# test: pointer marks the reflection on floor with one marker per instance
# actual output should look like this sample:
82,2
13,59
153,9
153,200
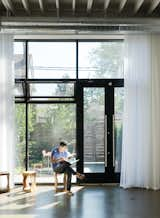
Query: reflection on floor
96,201
43,178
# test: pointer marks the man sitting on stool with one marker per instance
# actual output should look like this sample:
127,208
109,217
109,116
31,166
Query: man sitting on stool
59,157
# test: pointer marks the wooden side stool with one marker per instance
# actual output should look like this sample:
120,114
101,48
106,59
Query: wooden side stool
57,183
7,187
26,176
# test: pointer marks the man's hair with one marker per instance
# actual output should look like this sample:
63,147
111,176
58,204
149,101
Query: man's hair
63,143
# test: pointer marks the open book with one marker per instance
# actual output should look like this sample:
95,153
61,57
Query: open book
72,161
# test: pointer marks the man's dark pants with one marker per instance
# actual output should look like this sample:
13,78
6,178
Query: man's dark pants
65,167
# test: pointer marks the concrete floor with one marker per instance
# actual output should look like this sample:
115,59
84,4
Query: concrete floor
96,201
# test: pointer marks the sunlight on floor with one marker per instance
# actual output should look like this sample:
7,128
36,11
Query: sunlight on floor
74,190
49,205
18,216
18,201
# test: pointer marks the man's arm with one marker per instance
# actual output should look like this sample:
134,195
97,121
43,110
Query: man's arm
57,160
71,155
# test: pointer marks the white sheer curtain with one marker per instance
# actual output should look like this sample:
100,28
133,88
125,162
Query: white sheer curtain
155,126
7,141
141,133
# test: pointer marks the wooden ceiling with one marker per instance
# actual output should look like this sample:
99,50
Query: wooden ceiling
85,15
80,8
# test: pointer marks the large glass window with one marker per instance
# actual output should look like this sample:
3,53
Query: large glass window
52,60
19,90
20,114
100,60
19,59
46,97
47,125
52,89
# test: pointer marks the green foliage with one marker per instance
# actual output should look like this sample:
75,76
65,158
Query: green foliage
21,134
51,123
20,147
107,59
35,151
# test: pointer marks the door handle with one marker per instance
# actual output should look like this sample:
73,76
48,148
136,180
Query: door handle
105,139
113,140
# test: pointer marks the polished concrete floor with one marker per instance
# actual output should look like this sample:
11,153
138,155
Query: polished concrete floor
96,201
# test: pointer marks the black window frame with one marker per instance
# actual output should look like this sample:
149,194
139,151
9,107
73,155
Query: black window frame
26,81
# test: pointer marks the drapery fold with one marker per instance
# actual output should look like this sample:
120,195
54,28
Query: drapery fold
155,113
7,143
141,133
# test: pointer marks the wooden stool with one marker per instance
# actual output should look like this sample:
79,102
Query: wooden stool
57,183
8,187
26,185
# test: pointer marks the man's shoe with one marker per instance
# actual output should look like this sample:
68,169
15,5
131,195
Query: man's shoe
80,176
69,193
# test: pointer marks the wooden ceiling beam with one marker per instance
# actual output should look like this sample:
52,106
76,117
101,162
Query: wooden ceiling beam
89,5
122,5
41,5
57,7
137,6
153,6
26,6
73,6
8,5
106,4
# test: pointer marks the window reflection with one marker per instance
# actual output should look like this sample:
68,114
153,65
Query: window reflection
101,59
52,60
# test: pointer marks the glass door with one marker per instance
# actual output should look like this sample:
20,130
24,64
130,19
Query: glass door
100,130
94,128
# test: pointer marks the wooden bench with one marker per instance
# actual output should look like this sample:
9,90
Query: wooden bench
29,175
57,182
7,189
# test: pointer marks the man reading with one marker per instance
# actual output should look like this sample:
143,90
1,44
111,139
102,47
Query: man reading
60,164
